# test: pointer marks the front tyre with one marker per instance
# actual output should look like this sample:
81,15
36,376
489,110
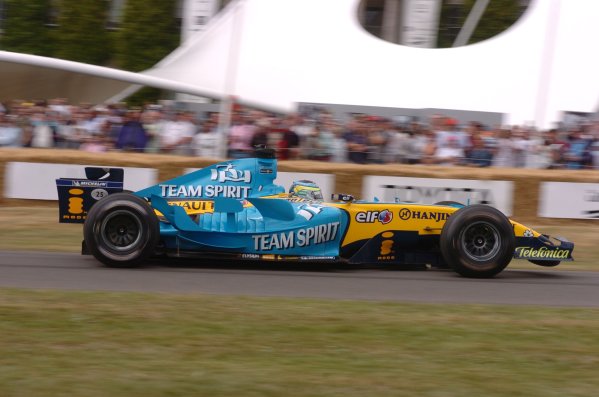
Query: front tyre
121,230
477,241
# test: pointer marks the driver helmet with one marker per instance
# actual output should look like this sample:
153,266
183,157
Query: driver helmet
305,189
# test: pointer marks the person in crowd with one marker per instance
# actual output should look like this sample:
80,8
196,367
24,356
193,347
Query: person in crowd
504,155
338,143
303,126
479,154
152,120
240,135
60,106
554,149
42,132
415,141
132,135
65,132
538,155
205,143
396,149
284,140
94,144
450,141
376,131
357,141
594,134
578,154
177,134
428,147
261,135
451,153
10,133
319,144
521,146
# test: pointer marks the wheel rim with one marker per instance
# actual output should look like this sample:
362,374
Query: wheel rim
480,241
121,230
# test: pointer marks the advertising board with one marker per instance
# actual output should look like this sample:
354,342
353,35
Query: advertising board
429,191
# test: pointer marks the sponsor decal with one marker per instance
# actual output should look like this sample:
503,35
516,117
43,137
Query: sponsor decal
528,233
429,194
541,253
296,238
250,256
386,251
592,196
267,171
204,191
227,172
194,205
89,183
384,217
75,209
407,214
592,214
317,258
309,211
581,202
75,205
97,194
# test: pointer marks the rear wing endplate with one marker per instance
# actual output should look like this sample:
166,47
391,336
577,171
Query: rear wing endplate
77,196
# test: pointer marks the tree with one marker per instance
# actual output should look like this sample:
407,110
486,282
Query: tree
81,34
148,33
498,16
26,27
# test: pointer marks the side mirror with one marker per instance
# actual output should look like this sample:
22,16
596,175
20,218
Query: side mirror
346,198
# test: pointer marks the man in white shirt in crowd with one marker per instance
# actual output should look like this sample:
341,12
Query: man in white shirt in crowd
206,142
177,134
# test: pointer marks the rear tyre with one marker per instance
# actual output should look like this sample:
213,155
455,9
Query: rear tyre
121,230
477,241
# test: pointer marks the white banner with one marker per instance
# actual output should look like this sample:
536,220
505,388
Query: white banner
569,200
37,181
429,191
420,23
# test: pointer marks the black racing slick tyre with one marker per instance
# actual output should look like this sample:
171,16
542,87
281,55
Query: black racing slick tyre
121,230
477,241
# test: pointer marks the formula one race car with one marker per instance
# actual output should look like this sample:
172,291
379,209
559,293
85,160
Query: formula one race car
234,210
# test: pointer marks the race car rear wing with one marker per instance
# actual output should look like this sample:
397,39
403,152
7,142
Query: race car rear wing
76,196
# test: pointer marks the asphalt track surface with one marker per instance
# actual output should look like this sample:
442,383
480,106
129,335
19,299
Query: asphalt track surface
60,271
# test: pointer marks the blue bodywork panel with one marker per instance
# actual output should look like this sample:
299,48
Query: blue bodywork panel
242,221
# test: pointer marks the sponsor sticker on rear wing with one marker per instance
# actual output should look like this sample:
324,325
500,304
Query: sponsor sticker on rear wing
77,196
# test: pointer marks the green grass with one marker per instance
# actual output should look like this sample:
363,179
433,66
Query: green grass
129,344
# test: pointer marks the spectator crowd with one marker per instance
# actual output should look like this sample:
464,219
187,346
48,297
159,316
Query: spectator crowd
362,139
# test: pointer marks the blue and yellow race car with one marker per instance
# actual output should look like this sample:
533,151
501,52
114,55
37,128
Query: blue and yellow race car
234,210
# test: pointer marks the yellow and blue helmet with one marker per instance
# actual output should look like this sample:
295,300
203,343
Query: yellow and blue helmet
306,189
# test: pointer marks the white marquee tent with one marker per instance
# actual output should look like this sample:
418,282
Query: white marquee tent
276,53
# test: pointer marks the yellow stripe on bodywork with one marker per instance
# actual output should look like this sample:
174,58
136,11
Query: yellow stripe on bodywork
424,219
